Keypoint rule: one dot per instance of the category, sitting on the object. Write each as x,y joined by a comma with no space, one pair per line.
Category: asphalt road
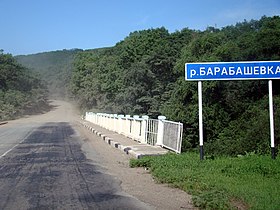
43,166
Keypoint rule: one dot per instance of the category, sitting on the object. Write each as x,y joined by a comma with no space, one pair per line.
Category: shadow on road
49,170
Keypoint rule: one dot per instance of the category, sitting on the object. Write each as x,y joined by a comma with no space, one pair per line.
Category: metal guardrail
152,131
172,135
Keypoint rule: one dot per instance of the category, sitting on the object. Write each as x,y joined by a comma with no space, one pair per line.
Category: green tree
20,89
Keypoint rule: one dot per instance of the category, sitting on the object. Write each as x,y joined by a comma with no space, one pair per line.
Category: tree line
21,90
54,68
144,74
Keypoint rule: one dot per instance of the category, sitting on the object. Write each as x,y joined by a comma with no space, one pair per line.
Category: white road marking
9,150
4,154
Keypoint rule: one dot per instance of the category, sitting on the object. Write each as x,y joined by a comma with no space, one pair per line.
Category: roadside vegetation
245,182
144,74
21,91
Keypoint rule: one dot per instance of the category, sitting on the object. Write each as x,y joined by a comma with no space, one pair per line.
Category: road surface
43,167
50,161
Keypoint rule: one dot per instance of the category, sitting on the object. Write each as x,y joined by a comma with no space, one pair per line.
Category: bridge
155,132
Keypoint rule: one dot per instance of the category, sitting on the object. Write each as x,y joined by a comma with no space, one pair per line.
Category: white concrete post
108,123
102,120
127,125
160,130
97,118
115,122
135,127
120,123
112,122
105,120
92,117
144,128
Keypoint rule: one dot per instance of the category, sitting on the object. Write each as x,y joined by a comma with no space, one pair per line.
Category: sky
33,26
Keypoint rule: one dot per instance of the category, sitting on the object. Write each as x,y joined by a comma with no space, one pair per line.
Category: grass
247,182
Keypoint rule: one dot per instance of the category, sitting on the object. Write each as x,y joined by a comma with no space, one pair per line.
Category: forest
54,67
21,90
144,74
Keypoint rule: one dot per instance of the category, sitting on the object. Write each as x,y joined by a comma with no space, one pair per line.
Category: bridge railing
159,131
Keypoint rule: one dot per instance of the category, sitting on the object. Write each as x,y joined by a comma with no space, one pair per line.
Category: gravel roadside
137,182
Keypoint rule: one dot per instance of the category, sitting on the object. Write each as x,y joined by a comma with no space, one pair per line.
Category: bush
249,133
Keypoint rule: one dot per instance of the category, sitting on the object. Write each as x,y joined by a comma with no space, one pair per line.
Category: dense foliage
144,74
54,67
235,112
21,91
131,77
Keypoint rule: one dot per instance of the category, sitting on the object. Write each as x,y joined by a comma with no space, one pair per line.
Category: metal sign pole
271,117
200,120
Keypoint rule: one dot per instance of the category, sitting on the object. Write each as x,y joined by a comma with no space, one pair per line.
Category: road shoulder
137,182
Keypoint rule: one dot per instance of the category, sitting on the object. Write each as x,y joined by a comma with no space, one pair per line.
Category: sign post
271,119
254,70
200,120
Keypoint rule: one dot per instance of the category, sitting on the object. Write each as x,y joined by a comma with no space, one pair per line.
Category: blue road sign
232,70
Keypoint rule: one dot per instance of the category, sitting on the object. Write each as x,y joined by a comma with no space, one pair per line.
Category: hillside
54,67
21,91
144,74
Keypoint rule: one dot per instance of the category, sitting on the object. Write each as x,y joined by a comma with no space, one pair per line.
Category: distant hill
55,68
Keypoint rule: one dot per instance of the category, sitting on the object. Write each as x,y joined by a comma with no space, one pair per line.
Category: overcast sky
32,26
